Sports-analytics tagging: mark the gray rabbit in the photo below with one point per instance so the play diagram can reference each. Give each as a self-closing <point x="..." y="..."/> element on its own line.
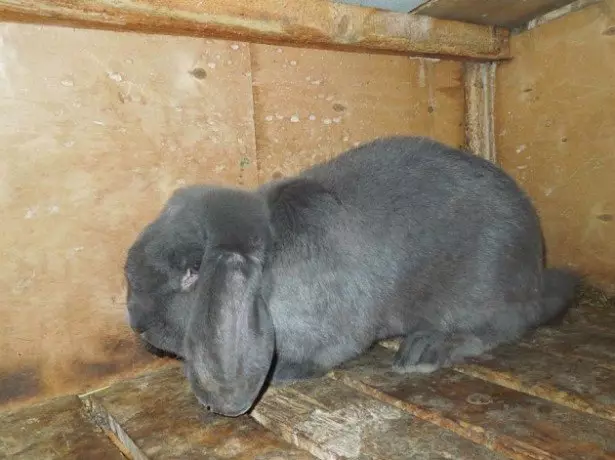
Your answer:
<point x="402" y="236"/>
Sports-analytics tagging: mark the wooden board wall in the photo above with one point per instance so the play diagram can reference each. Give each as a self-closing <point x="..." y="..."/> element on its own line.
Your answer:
<point x="98" y="128"/>
<point x="555" y="133"/>
<point x="311" y="105"/>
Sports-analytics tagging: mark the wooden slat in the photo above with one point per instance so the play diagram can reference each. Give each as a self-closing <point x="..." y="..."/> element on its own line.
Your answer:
<point x="609" y="29"/>
<point x="479" y="86"/>
<point x="567" y="380"/>
<point x="511" y="422"/>
<point x="577" y="342"/>
<point x="56" y="429"/>
<point x="334" y="421"/>
<point x="593" y="309"/>
<point x="558" y="13"/>
<point x="506" y="14"/>
<point x="155" y="416"/>
<point x="300" y="22"/>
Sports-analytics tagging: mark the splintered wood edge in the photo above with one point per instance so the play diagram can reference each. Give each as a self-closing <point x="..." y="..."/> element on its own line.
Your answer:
<point x="301" y="23"/>
<point x="479" y="89"/>
<point x="103" y="419"/>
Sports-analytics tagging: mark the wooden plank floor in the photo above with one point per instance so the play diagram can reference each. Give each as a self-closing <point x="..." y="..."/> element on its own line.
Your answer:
<point x="551" y="396"/>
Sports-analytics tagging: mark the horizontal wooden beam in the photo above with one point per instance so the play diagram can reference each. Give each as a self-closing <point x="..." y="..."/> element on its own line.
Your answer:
<point x="308" y="23"/>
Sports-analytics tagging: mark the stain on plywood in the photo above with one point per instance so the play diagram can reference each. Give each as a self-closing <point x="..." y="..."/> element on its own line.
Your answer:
<point x="97" y="129"/>
<point x="555" y="133"/>
<point x="312" y="105"/>
<point x="155" y="416"/>
<point x="55" y="429"/>
<point x="507" y="421"/>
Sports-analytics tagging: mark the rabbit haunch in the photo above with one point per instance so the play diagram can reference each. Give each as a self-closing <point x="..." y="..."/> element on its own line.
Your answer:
<point x="402" y="236"/>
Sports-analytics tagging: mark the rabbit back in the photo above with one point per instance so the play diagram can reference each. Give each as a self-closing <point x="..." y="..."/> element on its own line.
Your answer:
<point x="399" y="234"/>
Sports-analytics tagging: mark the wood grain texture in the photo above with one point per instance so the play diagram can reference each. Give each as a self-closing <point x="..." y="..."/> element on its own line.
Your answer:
<point x="593" y="309"/>
<point x="333" y="421"/>
<point x="506" y="14"/>
<point x="97" y="129"/>
<point x="510" y="422"/>
<point x="479" y="85"/>
<point x="575" y="342"/>
<point x="555" y="133"/>
<point x="570" y="381"/>
<point x="557" y="13"/>
<point x="156" y="416"/>
<point x="311" y="105"/>
<point x="299" y="22"/>
<point x="55" y="430"/>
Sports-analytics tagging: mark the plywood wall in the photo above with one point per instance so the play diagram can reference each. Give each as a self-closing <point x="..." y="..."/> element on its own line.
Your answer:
<point x="311" y="105"/>
<point x="97" y="129"/>
<point x="555" y="115"/>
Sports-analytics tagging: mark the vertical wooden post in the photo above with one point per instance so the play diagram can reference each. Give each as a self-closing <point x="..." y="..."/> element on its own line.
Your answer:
<point x="479" y="85"/>
<point x="609" y="6"/>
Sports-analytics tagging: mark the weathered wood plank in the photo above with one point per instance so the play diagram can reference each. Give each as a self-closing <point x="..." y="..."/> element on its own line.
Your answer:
<point x="507" y="421"/>
<point x="55" y="429"/>
<point x="572" y="367"/>
<point x="593" y="309"/>
<point x="507" y="14"/>
<point x="567" y="380"/>
<point x="557" y="13"/>
<point x="334" y="421"/>
<point x="568" y="341"/>
<point x="156" y="416"/>
<point x="479" y="79"/>
<point x="571" y="341"/>
<point x="301" y="22"/>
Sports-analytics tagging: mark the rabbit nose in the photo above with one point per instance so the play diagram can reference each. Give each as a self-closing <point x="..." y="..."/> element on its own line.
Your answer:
<point x="137" y="324"/>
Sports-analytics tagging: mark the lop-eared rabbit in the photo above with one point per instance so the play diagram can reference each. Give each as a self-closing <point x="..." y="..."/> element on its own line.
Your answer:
<point x="400" y="237"/>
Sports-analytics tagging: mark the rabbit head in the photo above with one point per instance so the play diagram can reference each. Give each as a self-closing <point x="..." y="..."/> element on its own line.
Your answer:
<point x="194" y="289"/>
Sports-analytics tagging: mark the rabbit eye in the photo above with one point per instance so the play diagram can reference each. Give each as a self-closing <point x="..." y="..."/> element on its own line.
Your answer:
<point x="189" y="279"/>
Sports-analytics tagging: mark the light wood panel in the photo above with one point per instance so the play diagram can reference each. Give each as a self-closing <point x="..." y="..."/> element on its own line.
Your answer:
<point x="492" y="12"/>
<point x="97" y="129"/>
<point x="556" y="134"/>
<point x="311" y="106"/>
<point x="298" y="22"/>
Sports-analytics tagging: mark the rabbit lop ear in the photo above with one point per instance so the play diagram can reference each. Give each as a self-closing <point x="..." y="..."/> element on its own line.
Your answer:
<point x="230" y="341"/>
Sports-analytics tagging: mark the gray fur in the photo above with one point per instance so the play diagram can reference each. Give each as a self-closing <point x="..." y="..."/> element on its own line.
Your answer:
<point x="398" y="237"/>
